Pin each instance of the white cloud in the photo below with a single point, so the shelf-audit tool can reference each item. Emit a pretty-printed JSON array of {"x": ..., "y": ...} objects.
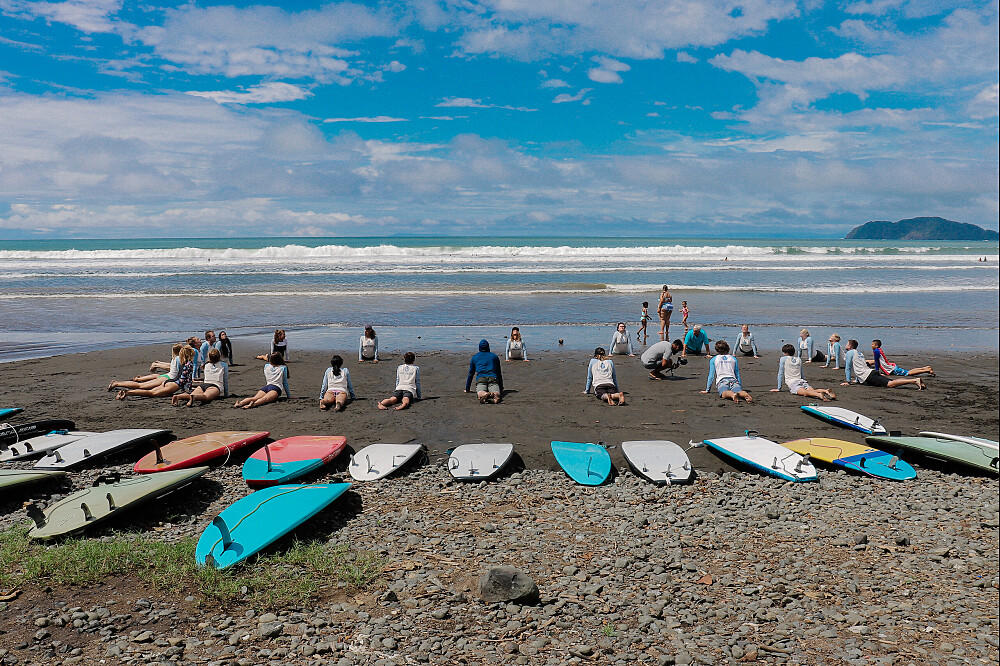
[
  {"x": 371, "y": 119},
  {"x": 562, "y": 98},
  {"x": 90, "y": 16},
  {"x": 985, "y": 103},
  {"x": 265, "y": 93},
  {"x": 553, "y": 83},
  {"x": 607, "y": 70},
  {"x": 684, "y": 56},
  {"x": 395, "y": 66},
  {"x": 469, "y": 103}
]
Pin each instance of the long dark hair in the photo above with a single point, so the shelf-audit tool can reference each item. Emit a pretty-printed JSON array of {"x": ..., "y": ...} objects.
[{"x": 335, "y": 363}]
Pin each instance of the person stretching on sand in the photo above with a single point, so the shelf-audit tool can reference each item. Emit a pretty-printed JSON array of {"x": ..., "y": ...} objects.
[
  {"x": 368, "y": 346},
  {"x": 643, "y": 319},
  {"x": 601, "y": 375},
  {"x": 621, "y": 341},
  {"x": 886, "y": 368},
  {"x": 725, "y": 370},
  {"x": 806, "y": 350},
  {"x": 407, "y": 384},
  {"x": 336, "y": 387},
  {"x": 696, "y": 340},
  {"x": 745, "y": 343},
  {"x": 485, "y": 367},
  {"x": 665, "y": 307},
  {"x": 790, "y": 372},
  {"x": 181, "y": 383},
  {"x": 206, "y": 346},
  {"x": 214, "y": 385},
  {"x": 856, "y": 369},
  {"x": 275, "y": 381},
  {"x": 659, "y": 357},
  {"x": 279, "y": 345},
  {"x": 152, "y": 381},
  {"x": 833, "y": 352},
  {"x": 516, "y": 351}
]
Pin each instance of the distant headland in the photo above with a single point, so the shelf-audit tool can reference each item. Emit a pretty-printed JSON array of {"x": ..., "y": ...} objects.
[{"x": 921, "y": 228}]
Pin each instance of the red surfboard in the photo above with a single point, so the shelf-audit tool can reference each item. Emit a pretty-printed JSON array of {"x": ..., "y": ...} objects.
[
  {"x": 195, "y": 451},
  {"x": 290, "y": 458}
]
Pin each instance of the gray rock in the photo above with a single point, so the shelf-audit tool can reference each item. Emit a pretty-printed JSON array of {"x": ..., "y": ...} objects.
[
  {"x": 271, "y": 629},
  {"x": 507, "y": 583}
]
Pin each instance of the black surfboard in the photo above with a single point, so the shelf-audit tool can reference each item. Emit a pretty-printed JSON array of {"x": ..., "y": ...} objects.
[{"x": 9, "y": 434}]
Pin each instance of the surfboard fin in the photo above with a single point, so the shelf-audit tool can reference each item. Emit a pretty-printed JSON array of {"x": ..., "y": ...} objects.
[
  {"x": 159, "y": 456},
  {"x": 227, "y": 538},
  {"x": 86, "y": 511},
  {"x": 59, "y": 458},
  {"x": 86, "y": 453},
  {"x": 27, "y": 447},
  {"x": 861, "y": 463},
  {"x": 111, "y": 502},
  {"x": 751, "y": 434},
  {"x": 267, "y": 451},
  {"x": 774, "y": 465},
  {"x": 35, "y": 513},
  {"x": 669, "y": 471},
  {"x": 687, "y": 466},
  {"x": 893, "y": 461},
  {"x": 804, "y": 461}
]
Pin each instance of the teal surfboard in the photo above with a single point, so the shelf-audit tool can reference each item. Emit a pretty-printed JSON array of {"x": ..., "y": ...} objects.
[
  {"x": 587, "y": 464},
  {"x": 10, "y": 411},
  {"x": 251, "y": 524}
]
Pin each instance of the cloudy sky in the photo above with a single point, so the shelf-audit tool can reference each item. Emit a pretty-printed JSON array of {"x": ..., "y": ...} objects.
[{"x": 503, "y": 117}]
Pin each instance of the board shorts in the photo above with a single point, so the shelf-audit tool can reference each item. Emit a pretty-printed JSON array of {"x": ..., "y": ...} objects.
[
  {"x": 605, "y": 389},
  {"x": 900, "y": 371},
  {"x": 796, "y": 384},
  {"x": 271, "y": 387},
  {"x": 487, "y": 385},
  {"x": 728, "y": 384},
  {"x": 399, "y": 395},
  {"x": 875, "y": 379}
]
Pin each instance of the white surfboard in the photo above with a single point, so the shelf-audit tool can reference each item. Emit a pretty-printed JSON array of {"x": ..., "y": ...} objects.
[
  {"x": 37, "y": 446},
  {"x": 377, "y": 461},
  {"x": 94, "y": 446},
  {"x": 975, "y": 441},
  {"x": 767, "y": 456},
  {"x": 476, "y": 462},
  {"x": 660, "y": 461},
  {"x": 846, "y": 418}
]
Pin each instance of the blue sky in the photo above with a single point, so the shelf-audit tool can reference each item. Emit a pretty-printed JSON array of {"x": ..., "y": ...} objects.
[{"x": 498, "y": 117}]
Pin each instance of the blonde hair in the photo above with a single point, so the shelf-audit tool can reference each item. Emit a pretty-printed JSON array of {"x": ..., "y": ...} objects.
[
  {"x": 176, "y": 349},
  {"x": 805, "y": 332},
  {"x": 187, "y": 354}
]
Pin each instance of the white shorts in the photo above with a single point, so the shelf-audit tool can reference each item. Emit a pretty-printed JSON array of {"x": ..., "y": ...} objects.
[{"x": 796, "y": 384}]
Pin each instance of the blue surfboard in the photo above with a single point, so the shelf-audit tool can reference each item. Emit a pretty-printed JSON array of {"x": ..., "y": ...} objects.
[
  {"x": 845, "y": 418},
  {"x": 252, "y": 523},
  {"x": 587, "y": 464},
  {"x": 10, "y": 411}
]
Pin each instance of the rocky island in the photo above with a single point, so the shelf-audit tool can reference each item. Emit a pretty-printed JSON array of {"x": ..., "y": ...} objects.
[{"x": 921, "y": 228}]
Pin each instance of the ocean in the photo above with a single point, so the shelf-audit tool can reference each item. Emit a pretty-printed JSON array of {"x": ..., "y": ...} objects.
[{"x": 58, "y": 296}]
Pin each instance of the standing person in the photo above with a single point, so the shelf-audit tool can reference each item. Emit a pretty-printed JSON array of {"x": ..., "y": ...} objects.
[
  {"x": 621, "y": 341},
  {"x": 745, "y": 342},
  {"x": 725, "y": 370},
  {"x": 790, "y": 372},
  {"x": 368, "y": 346},
  {"x": 602, "y": 377},
  {"x": 856, "y": 369},
  {"x": 881, "y": 364},
  {"x": 485, "y": 367},
  {"x": 214, "y": 385},
  {"x": 516, "y": 350},
  {"x": 275, "y": 381},
  {"x": 407, "y": 384},
  {"x": 665, "y": 307},
  {"x": 833, "y": 352},
  {"x": 336, "y": 387},
  {"x": 695, "y": 341},
  {"x": 644, "y": 318},
  {"x": 685, "y": 312},
  {"x": 181, "y": 383},
  {"x": 660, "y": 356},
  {"x": 279, "y": 345}
]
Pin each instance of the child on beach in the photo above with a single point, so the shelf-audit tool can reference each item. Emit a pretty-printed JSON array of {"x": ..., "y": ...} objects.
[
  {"x": 152, "y": 381},
  {"x": 790, "y": 372},
  {"x": 407, "y": 384},
  {"x": 215, "y": 383},
  {"x": 368, "y": 347},
  {"x": 182, "y": 382},
  {"x": 279, "y": 345},
  {"x": 833, "y": 352},
  {"x": 516, "y": 351},
  {"x": 643, "y": 318},
  {"x": 882, "y": 364},
  {"x": 685, "y": 312},
  {"x": 621, "y": 341},
  {"x": 275, "y": 381},
  {"x": 725, "y": 370},
  {"x": 601, "y": 376},
  {"x": 336, "y": 387},
  {"x": 856, "y": 369}
]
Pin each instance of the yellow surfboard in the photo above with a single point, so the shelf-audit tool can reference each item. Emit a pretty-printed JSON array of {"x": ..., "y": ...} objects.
[{"x": 856, "y": 457}]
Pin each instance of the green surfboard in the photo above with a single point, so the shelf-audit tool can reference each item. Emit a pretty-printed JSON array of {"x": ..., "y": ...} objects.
[
  {"x": 11, "y": 478},
  {"x": 979, "y": 457}
]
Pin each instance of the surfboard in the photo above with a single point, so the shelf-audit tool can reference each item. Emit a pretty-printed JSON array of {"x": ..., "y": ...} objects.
[
  {"x": 846, "y": 418},
  {"x": 586, "y": 463},
  {"x": 92, "y": 447},
  {"x": 477, "y": 462},
  {"x": 10, "y": 434},
  {"x": 767, "y": 456},
  {"x": 975, "y": 441},
  {"x": 377, "y": 461},
  {"x": 950, "y": 450},
  {"x": 10, "y": 478},
  {"x": 659, "y": 461},
  {"x": 290, "y": 458},
  {"x": 197, "y": 450},
  {"x": 38, "y": 446},
  {"x": 10, "y": 411},
  {"x": 855, "y": 457},
  {"x": 109, "y": 496},
  {"x": 252, "y": 523}
]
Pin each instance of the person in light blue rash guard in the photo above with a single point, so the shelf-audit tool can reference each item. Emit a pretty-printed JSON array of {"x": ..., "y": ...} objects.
[
  {"x": 833, "y": 352},
  {"x": 621, "y": 342},
  {"x": 696, "y": 340},
  {"x": 337, "y": 387},
  {"x": 790, "y": 373},
  {"x": 725, "y": 371},
  {"x": 806, "y": 351},
  {"x": 485, "y": 367},
  {"x": 516, "y": 350},
  {"x": 745, "y": 343},
  {"x": 602, "y": 377},
  {"x": 275, "y": 381},
  {"x": 207, "y": 345},
  {"x": 368, "y": 346}
]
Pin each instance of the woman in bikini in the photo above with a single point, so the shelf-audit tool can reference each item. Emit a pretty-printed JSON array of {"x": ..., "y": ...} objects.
[{"x": 665, "y": 308}]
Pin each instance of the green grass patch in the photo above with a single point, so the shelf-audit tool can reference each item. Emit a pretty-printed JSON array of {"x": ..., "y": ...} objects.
[{"x": 295, "y": 575}]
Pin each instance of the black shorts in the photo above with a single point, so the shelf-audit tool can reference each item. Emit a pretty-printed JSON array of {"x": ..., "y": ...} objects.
[
  {"x": 605, "y": 389},
  {"x": 746, "y": 353},
  {"x": 875, "y": 379},
  {"x": 399, "y": 395}
]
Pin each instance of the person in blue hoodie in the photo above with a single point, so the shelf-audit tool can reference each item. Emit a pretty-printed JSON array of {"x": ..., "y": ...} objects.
[{"x": 485, "y": 367}]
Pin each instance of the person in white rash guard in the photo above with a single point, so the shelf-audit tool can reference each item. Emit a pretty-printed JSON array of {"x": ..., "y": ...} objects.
[
  {"x": 745, "y": 343},
  {"x": 336, "y": 387},
  {"x": 275, "y": 381},
  {"x": 725, "y": 370},
  {"x": 152, "y": 381},
  {"x": 407, "y": 385},
  {"x": 279, "y": 345},
  {"x": 621, "y": 341},
  {"x": 516, "y": 349},
  {"x": 790, "y": 372},
  {"x": 602, "y": 377},
  {"x": 368, "y": 346},
  {"x": 856, "y": 369},
  {"x": 833, "y": 352},
  {"x": 215, "y": 383}
]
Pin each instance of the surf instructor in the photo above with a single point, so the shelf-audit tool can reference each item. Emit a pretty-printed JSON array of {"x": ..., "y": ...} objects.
[{"x": 485, "y": 367}]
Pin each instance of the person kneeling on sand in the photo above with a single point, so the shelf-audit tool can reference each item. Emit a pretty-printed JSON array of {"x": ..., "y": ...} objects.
[
  {"x": 485, "y": 367},
  {"x": 182, "y": 383},
  {"x": 790, "y": 372},
  {"x": 275, "y": 381},
  {"x": 696, "y": 340},
  {"x": 336, "y": 387},
  {"x": 856, "y": 369},
  {"x": 407, "y": 384},
  {"x": 725, "y": 370},
  {"x": 601, "y": 375},
  {"x": 882, "y": 364},
  {"x": 660, "y": 356},
  {"x": 215, "y": 383}
]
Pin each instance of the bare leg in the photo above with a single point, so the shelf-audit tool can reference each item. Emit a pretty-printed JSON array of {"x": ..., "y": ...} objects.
[
  {"x": 341, "y": 402},
  {"x": 205, "y": 395},
  {"x": 729, "y": 395},
  {"x": 746, "y": 396},
  {"x": 249, "y": 401},
  {"x": 663, "y": 326},
  {"x": 404, "y": 404},
  {"x": 925, "y": 370},
  {"x": 137, "y": 384},
  {"x": 666, "y": 326},
  {"x": 893, "y": 383},
  {"x": 815, "y": 393},
  {"x": 387, "y": 403},
  {"x": 328, "y": 400},
  {"x": 180, "y": 396},
  {"x": 164, "y": 391},
  {"x": 264, "y": 399}
]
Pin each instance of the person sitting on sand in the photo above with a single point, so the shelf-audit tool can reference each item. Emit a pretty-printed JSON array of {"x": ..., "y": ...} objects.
[
  {"x": 833, "y": 352},
  {"x": 856, "y": 369},
  {"x": 882, "y": 364},
  {"x": 745, "y": 343},
  {"x": 368, "y": 346},
  {"x": 407, "y": 384},
  {"x": 660, "y": 356},
  {"x": 725, "y": 370},
  {"x": 215, "y": 383},
  {"x": 225, "y": 347},
  {"x": 485, "y": 367},
  {"x": 336, "y": 387},
  {"x": 181, "y": 383},
  {"x": 601, "y": 375},
  {"x": 279, "y": 345},
  {"x": 696, "y": 340},
  {"x": 206, "y": 346},
  {"x": 621, "y": 342},
  {"x": 275, "y": 381},
  {"x": 516, "y": 349},
  {"x": 152, "y": 381},
  {"x": 790, "y": 372}
]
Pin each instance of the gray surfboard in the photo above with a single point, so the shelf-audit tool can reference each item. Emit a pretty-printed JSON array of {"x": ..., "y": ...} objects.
[
  {"x": 85, "y": 449},
  {"x": 477, "y": 462}
]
